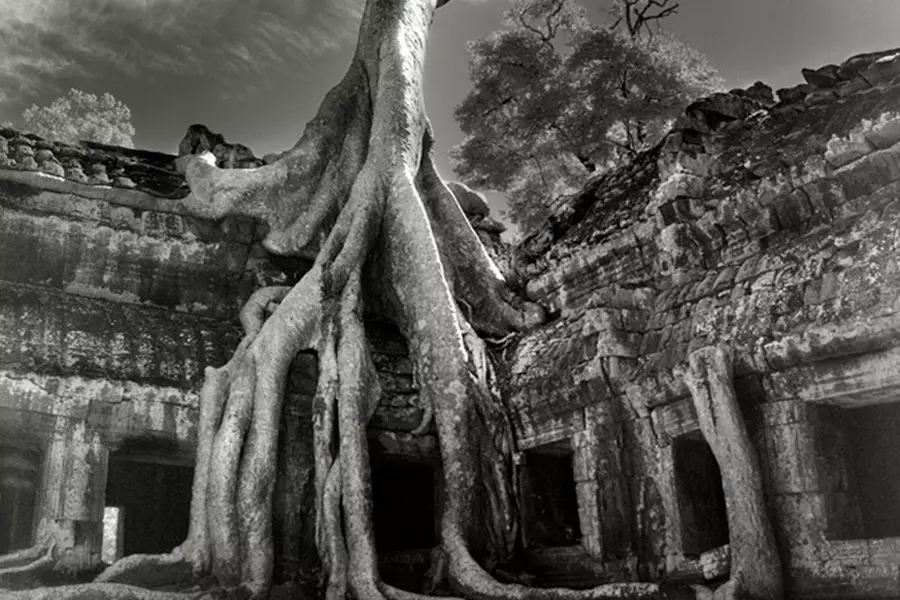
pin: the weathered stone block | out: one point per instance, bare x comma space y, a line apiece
56, 333
884, 552
782, 413
883, 70
846, 551
534, 433
794, 471
841, 151
793, 209
823, 77
716, 564
851, 86
673, 420
800, 526
865, 176
584, 457
103, 262
884, 131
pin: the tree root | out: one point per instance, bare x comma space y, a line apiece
149, 570
107, 591
22, 557
300, 195
24, 565
474, 278
755, 564
360, 192
156, 571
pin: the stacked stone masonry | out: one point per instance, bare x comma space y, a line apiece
767, 226
113, 301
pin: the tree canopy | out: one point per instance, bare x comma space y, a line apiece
82, 116
555, 97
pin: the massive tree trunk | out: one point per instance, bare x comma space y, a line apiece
360, 193
755, 564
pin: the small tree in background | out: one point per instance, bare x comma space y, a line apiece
82, 116
556, 98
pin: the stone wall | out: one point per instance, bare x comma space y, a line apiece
766, 225
113, 301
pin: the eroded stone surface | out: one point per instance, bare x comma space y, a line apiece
767, 226
113, 302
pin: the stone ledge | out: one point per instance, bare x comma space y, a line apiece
28, 200
114, 195
76, 397
55, 333
848, 381
90, 260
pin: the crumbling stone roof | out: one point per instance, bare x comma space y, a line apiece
755, 116
755, 222
157, 174
93, 164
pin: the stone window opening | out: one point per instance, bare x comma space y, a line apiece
701, 498
549, 499
149, 482
858, 455
19, 480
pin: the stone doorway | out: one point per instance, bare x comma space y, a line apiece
19, 473
404, 508
549, 499
858, 456
701, 499
153, 494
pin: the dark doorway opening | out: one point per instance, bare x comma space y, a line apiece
549, 499
701, 499
155, 496
874, 457
404, 512
19, 471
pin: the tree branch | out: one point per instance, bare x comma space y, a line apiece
548, 36
639, 19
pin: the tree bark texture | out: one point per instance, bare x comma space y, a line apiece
360, 193
755, 565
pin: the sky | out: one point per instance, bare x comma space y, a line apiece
256, 70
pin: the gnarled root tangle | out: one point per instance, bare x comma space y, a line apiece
360, 192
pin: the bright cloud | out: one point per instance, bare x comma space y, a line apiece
41, 40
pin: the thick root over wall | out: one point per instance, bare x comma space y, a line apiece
359, 192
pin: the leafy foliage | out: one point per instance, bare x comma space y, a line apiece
82, 116
556, 98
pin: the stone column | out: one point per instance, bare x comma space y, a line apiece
584, 467
82, 488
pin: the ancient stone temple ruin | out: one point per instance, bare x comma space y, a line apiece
759, 240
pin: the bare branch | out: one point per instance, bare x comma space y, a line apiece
638, 20
551, 29
546, 37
